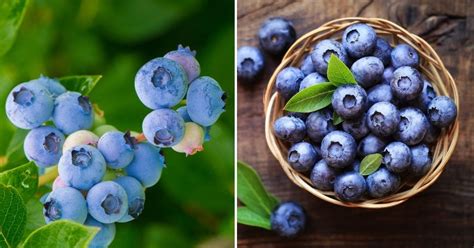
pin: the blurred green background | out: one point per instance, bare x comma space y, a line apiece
193, 203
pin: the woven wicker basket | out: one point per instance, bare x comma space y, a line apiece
431, 66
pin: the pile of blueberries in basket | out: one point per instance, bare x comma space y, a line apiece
103, 174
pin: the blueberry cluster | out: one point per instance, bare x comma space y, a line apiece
392, 110
162, 84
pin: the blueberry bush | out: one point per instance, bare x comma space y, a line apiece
86, 147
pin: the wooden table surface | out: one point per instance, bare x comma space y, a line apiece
441, 216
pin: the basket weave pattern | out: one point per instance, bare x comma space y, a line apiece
430, 65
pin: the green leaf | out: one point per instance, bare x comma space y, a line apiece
336, 119
338, 73
311, 99
250, 218
34, 216
370, 164
11, 15
82, 84
251, 191
14, 153
24, 178
12, 216
61, 234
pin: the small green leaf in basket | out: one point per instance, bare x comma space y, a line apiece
338, 73
370, 164
311, 99
336, 119
250, 218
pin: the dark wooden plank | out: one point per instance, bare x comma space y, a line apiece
443, 215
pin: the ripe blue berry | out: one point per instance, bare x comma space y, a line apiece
404, 55
43, 146
65, 204
359, 40
380, 93
323, 176
290, 129
383, 51
288, 81
312, 79
349, 101
420, 160
319, 124
183, 112
107, 202
442, 111
161, 83
356, 127
205, 101
397, 157
431, 135
412, 126
288, 219
117, 148
322, 53
186, 58
106, 233
368, 71
82, 167
426, 96
146, 165
250, 63
370, 144
163, 127
406, 83
135, 196
52, 85
338, 148
350, 187
72, 112
307, 66
383, 119
276, 35
387, 75
302, 156
382, 183
29, 105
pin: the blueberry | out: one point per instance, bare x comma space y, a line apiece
355, 166
312, 79
29, 105
106, 233
289, 129
370, 144
356, 127
383, 51
338, 148
368, 71
187, 59
420, 160
359, 40
383, 119
82, 167
319, 124
183, 112
431, 135
161, 83
205, 101
65, 204
406, 83
117, 148
396, 157
288, 81
107, 202
307, 66
323, 176
349, 101
146, 165
192, 141
322, 53
302, 116
302, 156
426, 96
404, 55
135, 196
387, 75
382, 183
412, 126
350, 187
52, 85
163, 127
250, 63
81, 137
276, 35
442, 111
72, 112
58, 183
43, 146
380, 93
288, 219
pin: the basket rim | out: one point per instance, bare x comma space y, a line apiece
271, 101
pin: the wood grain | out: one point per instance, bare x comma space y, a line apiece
443, 215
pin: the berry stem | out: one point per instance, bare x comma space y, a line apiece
140, 137
48, 177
